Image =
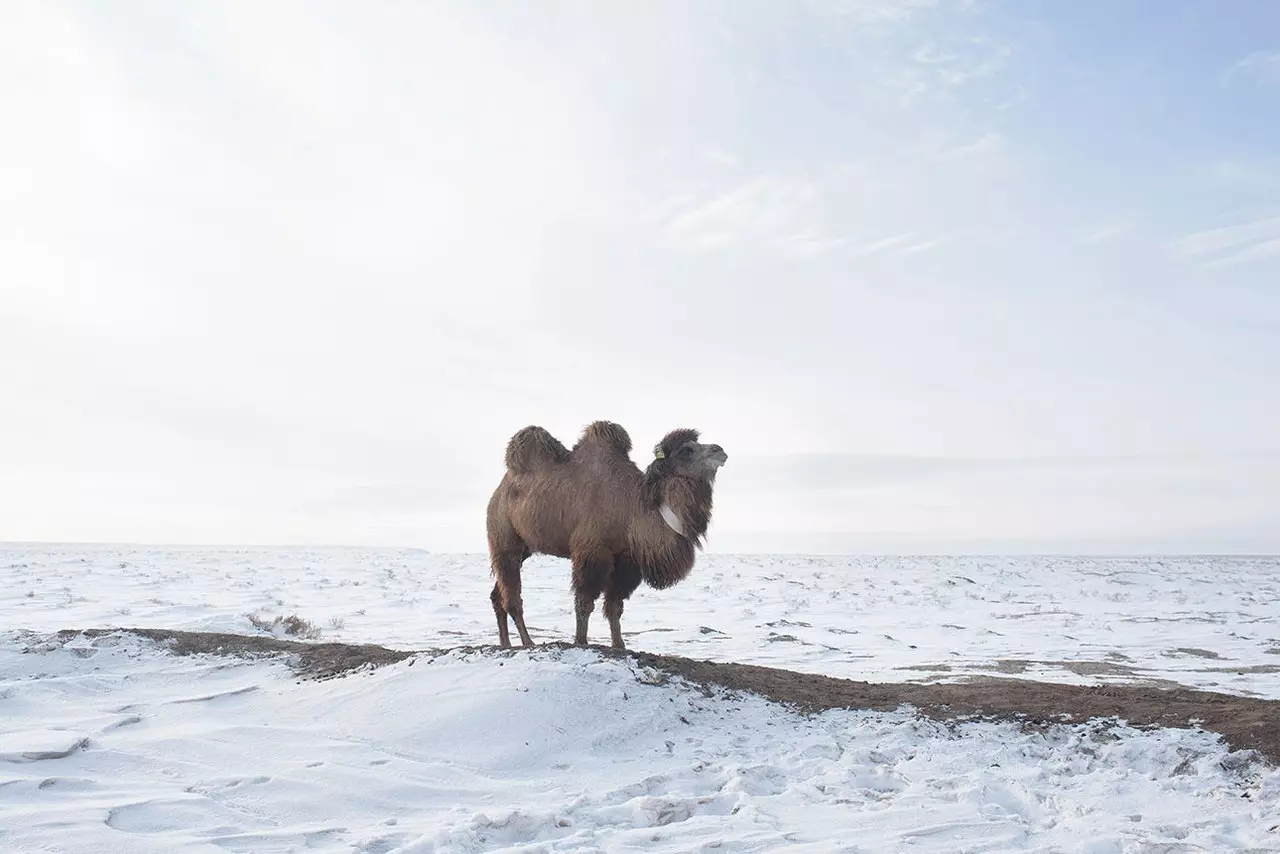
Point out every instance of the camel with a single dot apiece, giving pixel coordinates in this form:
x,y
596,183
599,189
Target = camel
x,y
616,524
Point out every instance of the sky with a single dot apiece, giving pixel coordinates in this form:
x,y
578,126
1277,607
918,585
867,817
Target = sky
x,y
966,276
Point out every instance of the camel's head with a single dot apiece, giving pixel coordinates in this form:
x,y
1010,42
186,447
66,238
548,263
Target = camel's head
x,y
680,454
679,482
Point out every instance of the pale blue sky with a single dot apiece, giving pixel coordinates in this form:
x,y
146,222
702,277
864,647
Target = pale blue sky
x,y
966,276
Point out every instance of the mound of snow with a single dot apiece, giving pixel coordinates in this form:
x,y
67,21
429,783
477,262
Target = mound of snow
x,y
32,745
560,750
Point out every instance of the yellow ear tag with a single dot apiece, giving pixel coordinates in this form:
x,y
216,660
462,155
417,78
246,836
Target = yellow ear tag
x,y
658,453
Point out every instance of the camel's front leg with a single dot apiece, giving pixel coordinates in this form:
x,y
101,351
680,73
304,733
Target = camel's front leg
x,y
623,581
590,573
582,608
613,612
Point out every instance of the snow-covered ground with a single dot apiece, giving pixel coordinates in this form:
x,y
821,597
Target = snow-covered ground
x,y
109,744
1211,623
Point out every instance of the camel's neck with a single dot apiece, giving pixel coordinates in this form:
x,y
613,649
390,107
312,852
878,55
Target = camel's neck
x,y
669,530
684,505
672,518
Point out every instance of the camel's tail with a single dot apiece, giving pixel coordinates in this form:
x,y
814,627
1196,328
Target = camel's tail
x,y
534,448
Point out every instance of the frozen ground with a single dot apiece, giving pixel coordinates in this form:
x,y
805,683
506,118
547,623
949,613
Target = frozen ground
x,y
110,744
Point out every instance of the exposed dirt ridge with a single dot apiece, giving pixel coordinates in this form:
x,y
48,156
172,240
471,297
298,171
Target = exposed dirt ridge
x,y
1245,723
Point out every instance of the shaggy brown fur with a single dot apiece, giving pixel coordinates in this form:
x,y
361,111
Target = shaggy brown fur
x,y
531,446
619,526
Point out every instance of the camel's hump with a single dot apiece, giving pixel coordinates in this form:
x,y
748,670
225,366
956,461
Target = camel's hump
x,y
606,433
533,448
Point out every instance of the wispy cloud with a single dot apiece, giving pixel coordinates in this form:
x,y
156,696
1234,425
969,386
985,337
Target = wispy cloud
x,y
1260,68
789,217
777,213
808,245
971,153
883,244
1258,240
917,51
933,70
1256,177
989,143
922,246
1263,251
846,470
1105,230
720,157
931,54
1019,94
872,12
990,62
901,245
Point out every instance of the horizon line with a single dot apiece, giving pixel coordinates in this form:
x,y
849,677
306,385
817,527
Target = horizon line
x,y
483,553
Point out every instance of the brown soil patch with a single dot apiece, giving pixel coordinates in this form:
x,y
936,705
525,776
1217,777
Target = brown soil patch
x,y
1020,666
1192,651
1252,670
1245,723
313,660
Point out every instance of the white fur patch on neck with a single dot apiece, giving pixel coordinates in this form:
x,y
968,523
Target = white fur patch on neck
x,y
669,516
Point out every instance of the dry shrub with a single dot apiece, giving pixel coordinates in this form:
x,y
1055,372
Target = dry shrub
x,y
291,625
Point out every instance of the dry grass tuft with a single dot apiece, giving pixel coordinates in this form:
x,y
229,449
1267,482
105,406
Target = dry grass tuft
x,y
292,625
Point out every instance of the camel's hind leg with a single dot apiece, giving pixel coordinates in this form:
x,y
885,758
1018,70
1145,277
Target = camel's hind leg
x,y
506,597
500,611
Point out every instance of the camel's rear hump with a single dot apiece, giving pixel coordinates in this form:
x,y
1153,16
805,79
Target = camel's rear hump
x,y
533,448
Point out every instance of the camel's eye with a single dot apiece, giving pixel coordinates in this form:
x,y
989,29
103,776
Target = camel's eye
x,y
686,451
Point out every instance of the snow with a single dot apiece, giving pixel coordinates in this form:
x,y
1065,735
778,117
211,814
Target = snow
x,y
109,743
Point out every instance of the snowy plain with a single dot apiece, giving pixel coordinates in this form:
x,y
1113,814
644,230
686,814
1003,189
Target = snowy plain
x,y
111,744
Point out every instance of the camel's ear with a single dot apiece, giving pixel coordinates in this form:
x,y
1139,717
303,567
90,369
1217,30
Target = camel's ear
x,y
650,492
